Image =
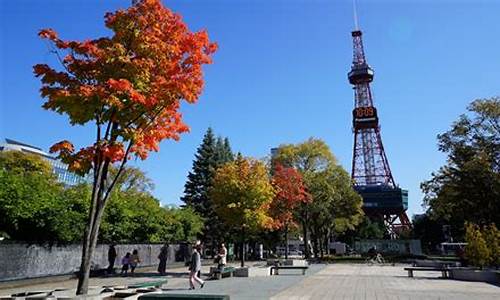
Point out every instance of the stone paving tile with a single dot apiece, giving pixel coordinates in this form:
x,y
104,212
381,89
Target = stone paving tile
x,y
353,282
338,281
243,288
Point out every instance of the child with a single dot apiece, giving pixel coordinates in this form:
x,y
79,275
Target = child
x,y
134,261
125,264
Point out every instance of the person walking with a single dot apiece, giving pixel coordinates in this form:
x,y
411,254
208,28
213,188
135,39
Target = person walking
x,y
125,264
134,261
195,267
111,259
163,256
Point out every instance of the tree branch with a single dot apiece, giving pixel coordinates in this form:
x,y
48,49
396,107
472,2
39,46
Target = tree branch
x,y
120,170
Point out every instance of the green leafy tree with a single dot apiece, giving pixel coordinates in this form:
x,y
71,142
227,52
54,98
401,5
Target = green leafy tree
x,y
242,194
132,179
73,212
36,208
31,204
369,229
476,250
467,188
133,216
308,157
335,206
429,231
186,224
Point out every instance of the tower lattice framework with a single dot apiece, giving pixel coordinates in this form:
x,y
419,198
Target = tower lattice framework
x,y
370,167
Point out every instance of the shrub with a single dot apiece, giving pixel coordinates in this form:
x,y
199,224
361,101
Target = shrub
x,y
492,237
476,251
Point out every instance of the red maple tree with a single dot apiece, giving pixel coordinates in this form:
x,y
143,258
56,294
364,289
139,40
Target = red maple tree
x,y
290,192
129,86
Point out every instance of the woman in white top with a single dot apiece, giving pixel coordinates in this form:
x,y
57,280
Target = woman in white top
x,y
222,256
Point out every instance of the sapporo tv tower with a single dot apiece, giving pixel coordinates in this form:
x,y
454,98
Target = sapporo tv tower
x,y
383,200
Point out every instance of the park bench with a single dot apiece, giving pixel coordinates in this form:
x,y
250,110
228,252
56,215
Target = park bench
x,y
183,297
435,263
154,284
218,273
277,268
444,270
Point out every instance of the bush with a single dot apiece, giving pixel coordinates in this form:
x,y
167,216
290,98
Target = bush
x,y
492,237
476,251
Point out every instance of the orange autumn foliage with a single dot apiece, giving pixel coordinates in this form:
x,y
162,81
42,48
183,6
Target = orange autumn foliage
x,y
290,192
129,84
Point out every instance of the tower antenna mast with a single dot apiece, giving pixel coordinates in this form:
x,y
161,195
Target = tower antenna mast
x,y
355,11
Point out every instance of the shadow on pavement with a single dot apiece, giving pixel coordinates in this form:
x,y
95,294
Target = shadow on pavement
x,y
148,275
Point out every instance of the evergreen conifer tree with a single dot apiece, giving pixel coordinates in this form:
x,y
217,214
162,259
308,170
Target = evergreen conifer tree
x,y
199,178
212,153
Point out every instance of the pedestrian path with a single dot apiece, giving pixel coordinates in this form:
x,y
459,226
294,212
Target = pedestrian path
x,y
336,281
247,288
343,281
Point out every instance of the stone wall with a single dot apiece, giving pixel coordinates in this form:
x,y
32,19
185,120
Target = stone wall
x,y
390,246
21,261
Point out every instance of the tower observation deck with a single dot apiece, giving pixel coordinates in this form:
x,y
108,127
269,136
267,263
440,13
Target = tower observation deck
x,y
382,198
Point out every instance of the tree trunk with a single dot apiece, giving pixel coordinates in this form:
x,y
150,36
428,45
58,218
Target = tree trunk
x,y
324,242
314,238
87,250
212,247
306,244
91,232
327,243
242,250
89,244
286,241
320,243
84,273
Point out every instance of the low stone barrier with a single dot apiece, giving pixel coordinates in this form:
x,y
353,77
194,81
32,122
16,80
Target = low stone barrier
x,y
490,276
23,261
295,262
252,271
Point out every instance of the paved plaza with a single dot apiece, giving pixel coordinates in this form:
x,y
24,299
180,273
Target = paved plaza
x,y
337,281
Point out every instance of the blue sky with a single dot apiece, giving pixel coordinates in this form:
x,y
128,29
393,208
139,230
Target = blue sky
x,y
280,76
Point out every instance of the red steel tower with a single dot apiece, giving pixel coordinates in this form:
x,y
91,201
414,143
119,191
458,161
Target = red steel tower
x,y
382,198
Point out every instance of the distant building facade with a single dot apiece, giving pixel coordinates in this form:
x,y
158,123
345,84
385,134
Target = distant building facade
x,y
60,169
